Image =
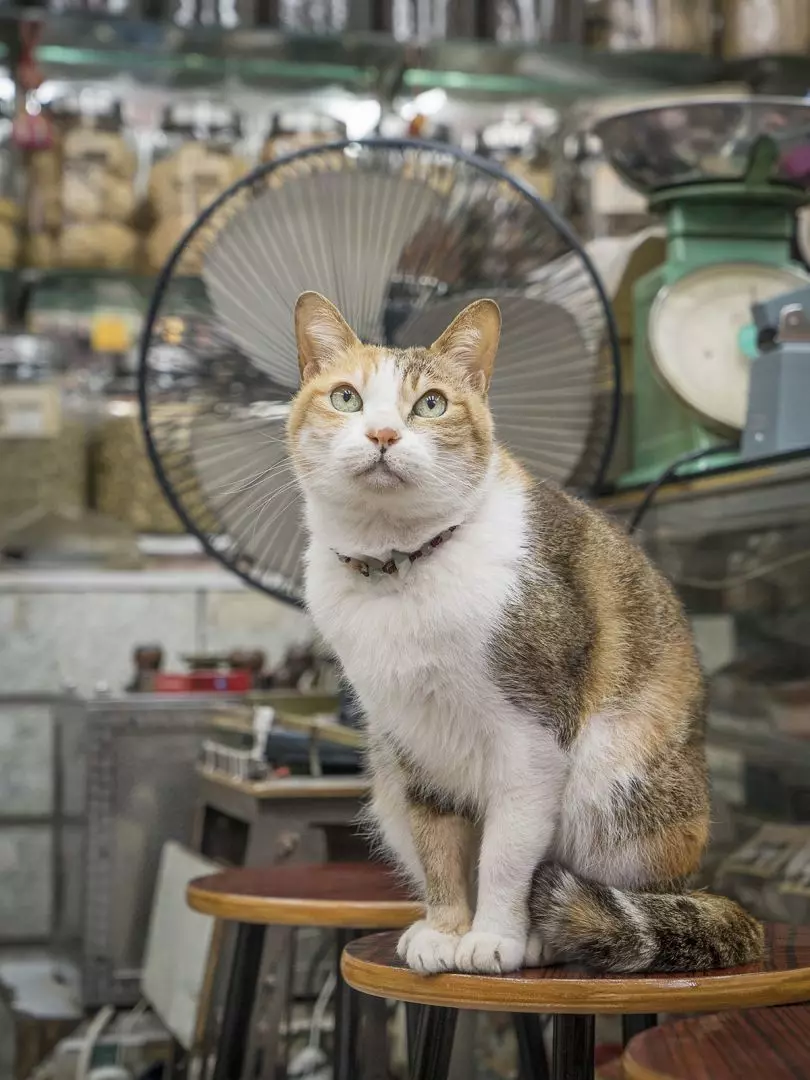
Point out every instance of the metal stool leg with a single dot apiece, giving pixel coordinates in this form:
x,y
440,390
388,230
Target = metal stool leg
x,y
346,1018
233,1036
634,1025
531,1048
573,1048
437,1026
373,1039
413,1019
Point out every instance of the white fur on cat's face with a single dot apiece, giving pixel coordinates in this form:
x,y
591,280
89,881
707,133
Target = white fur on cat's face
x,y
433,467
425,471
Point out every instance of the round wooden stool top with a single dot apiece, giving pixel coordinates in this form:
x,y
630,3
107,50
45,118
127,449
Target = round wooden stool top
x,y
354,896
782,977
771,1043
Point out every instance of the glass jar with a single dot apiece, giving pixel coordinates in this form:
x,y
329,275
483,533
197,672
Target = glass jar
x,y
81,191
43,455
294,131
766,28
196,159
668,25
315,16
9,196
124,481
520,145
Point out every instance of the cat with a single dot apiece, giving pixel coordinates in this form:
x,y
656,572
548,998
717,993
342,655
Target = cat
x,y
533,698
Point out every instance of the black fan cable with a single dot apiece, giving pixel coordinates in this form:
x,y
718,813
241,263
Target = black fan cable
x,y
670,471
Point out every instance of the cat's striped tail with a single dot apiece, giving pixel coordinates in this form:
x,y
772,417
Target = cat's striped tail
x,y
616,930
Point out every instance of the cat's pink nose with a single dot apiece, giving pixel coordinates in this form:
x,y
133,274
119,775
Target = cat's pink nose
x,y
383,437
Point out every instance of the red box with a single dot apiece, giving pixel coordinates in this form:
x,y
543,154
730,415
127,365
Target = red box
x,y
171,684
223,682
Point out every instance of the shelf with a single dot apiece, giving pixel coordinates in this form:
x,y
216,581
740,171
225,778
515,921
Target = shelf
x,y
294,787
155,52
765,495
204,577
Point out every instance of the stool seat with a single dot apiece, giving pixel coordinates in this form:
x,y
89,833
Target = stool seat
x,y
772,1043
782,977
356,896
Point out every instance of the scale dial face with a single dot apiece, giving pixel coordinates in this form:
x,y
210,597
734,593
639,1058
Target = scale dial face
x,y
695,331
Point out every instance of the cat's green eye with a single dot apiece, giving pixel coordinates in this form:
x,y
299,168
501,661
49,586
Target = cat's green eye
x,y
430,405
346,399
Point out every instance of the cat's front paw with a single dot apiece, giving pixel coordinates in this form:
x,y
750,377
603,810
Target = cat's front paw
x,y
427,951
481,953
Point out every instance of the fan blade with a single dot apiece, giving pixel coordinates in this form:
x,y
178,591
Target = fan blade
x,y
339,234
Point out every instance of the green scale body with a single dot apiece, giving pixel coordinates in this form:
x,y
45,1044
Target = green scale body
x,y
707,224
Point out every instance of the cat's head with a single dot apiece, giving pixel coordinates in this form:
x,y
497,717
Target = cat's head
x,y
406,430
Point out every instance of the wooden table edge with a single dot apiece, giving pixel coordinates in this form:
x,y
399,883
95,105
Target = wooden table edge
x,y
578,996
280,911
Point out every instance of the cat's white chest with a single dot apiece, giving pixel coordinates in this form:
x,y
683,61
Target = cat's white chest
x,y
416,650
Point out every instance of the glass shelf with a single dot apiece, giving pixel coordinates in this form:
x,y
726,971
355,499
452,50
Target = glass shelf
x,y
73,45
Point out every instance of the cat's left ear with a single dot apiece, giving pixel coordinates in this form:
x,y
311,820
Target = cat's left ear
x,y
321,333
472,338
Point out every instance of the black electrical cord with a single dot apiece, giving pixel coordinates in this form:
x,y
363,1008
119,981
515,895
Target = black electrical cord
x,y
670,471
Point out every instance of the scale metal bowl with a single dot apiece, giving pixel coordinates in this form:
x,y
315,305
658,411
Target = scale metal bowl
x,y
709,139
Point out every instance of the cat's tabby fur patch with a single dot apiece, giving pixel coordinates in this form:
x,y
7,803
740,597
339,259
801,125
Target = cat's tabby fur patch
x,y
534,702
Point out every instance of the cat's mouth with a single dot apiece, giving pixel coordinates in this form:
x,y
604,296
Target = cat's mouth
x,y
382,473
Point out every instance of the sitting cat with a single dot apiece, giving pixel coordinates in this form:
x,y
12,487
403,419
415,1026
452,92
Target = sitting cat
x,y
532,693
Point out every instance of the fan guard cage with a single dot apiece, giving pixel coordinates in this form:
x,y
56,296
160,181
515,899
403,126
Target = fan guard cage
x,y
200,431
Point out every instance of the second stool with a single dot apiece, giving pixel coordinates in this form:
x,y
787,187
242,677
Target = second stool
x,y
346,897
770,1043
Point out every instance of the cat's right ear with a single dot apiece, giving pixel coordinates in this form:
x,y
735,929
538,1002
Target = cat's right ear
x,y
471,340
321,333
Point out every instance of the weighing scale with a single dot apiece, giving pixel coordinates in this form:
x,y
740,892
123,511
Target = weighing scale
x,y
728,175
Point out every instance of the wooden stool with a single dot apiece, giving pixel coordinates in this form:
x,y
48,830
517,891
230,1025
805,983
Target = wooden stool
x,y
347,897
574,996
771,1043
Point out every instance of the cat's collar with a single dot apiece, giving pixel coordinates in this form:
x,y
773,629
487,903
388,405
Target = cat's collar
x,y
399,562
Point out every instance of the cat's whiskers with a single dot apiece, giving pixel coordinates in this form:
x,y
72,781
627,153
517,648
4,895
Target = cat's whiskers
x,y
254,479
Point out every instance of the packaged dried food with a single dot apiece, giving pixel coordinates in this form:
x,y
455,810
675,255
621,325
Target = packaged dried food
x,y
9,197
766,27
520,145
296,130
125,485
43,445
196,160
102,245
81,191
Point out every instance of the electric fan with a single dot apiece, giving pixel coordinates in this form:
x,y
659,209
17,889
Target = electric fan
x,y
400,235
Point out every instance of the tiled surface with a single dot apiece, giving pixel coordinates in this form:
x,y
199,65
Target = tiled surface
x,y
252,620
26,760
25,882
51,640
